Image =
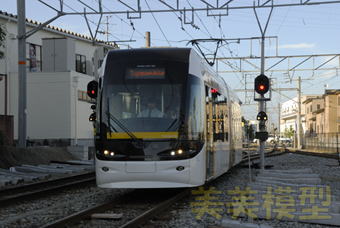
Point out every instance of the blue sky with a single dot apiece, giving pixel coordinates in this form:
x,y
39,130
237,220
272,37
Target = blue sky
x,y
300,30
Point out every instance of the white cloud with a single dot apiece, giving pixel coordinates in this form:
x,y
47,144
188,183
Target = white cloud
x,y
296,46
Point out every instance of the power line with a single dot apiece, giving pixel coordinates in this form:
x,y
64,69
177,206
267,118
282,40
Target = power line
x,y
160,28
92,22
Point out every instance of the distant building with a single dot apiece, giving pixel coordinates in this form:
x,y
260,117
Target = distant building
x,y
323,113
60,63
289,111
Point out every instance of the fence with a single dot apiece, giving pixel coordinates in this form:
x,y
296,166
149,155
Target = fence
x,y
327,142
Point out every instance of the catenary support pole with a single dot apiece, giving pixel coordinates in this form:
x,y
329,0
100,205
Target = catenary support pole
x,y
22,74
148,39
298,130
262,108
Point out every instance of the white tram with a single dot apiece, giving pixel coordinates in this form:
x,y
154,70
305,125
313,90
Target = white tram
x,y
165,119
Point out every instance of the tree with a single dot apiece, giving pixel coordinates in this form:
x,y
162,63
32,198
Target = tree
x,y
248,129
2,38
289,133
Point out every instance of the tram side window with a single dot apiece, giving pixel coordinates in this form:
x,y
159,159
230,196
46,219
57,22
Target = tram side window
x,y
195,118
220,116
207,108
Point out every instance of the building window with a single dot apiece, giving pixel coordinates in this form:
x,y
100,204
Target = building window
x,y
339,100
33,57
81,63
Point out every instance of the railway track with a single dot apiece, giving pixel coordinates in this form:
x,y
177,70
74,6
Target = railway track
x,y
136,206
270,153
15,194
145,215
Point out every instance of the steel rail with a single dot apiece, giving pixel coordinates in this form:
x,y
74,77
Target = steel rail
x,y
86,213
78,216
31,191
141,219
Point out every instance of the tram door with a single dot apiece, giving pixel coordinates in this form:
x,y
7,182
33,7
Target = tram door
x,y
209,134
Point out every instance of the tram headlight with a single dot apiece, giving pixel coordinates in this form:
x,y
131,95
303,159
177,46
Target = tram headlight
x,y
172,153
179,151
108,152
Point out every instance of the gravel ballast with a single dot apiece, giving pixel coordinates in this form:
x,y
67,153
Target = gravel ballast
x,y
200,209
184,215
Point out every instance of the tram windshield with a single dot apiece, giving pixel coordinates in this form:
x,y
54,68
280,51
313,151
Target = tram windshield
x,y
142,97
146,107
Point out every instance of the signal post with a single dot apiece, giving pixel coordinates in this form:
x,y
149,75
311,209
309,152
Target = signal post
x,y
262,86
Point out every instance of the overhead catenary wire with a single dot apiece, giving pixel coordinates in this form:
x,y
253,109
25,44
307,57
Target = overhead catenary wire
x,y
92,22
160,28
127,23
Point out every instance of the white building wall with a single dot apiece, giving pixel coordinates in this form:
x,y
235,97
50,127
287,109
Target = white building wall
x,y
80,110
51,99
48,105
53,108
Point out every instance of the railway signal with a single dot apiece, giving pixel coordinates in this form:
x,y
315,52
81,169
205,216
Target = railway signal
x,y
92,89
262,116
261,87
262,84
92,117
262,135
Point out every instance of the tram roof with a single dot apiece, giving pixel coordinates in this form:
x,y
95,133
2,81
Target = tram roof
x,y
178,54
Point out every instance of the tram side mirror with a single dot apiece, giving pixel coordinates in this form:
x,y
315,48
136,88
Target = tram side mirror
x,y
92,89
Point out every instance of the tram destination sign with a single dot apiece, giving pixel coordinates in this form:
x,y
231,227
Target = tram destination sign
x,y
145,73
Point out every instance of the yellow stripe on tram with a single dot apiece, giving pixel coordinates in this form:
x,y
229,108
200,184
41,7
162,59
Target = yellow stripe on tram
x,y
143,135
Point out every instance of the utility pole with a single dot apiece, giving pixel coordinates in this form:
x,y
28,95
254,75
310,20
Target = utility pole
x,y
22,74
279,126
107,28
298,130
75,86
148,39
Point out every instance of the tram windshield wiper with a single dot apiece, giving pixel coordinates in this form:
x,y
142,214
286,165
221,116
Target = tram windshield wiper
x,y
172,124
125,129
138,142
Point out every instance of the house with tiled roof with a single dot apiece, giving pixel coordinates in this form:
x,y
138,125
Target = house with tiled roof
x,y
59,64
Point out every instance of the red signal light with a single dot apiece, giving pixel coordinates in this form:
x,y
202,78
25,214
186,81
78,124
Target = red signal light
x,y
92,89
214,91
262,84
262,87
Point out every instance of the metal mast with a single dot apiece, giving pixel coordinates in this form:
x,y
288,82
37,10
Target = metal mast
x,y
22,74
